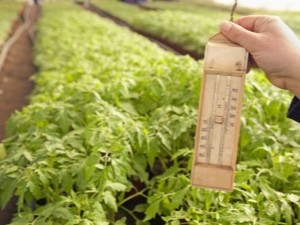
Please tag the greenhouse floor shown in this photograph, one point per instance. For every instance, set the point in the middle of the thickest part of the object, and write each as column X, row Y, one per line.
column 14, row 83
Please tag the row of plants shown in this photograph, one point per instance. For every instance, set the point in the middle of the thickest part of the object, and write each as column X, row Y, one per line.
column 188, row 29
column 180, row 23
column 211, row 10
column 92, row 131
column 8, row 12
column 108, row 136
column 214, row 4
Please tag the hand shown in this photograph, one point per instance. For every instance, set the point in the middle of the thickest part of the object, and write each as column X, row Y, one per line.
column 273, row 47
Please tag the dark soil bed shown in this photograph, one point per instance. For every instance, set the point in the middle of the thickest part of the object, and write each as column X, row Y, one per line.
column 15, row 85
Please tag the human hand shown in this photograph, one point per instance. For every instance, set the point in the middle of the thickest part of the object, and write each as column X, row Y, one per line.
column 273, row 47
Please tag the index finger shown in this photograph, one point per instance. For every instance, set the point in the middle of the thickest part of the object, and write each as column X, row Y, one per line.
column 256, row 23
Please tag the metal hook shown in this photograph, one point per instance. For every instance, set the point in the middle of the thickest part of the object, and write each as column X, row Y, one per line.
column 232, row 10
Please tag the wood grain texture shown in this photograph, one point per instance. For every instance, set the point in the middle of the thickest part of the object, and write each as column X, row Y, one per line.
column 217, row 135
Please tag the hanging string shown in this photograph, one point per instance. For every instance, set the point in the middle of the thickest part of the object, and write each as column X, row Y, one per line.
column 232, row 10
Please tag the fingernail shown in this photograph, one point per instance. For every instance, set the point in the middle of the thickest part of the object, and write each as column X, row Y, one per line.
column 225, row 26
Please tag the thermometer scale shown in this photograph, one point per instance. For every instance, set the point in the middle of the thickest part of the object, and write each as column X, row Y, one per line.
column 217, row 135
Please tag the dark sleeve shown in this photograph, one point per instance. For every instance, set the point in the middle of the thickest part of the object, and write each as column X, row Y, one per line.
column 294, row 110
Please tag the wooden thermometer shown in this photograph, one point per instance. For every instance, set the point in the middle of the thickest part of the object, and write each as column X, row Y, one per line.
column 217, row 135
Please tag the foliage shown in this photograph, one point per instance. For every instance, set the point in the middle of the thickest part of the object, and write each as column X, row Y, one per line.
column 187, row 29
column 218, row 5
column 112, row 119
column 214, row 11
column 181, row 23
column 266, row 185
column 94, row 123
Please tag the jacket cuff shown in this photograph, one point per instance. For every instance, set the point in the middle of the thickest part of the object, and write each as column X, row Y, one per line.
column 294, row 110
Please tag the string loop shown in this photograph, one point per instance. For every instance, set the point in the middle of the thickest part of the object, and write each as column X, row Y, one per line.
column 232, row 10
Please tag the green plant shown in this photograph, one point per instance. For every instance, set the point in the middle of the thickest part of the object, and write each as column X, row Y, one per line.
column 112, row 121
column 187, row 29
column 91, row 130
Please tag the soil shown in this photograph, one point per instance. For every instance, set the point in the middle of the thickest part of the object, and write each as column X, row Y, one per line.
column 164, row 43
column 15, row 85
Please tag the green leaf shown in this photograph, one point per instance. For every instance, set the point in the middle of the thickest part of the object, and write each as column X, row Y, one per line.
column 62, row 213
column 40, row 221
column 20, row 221
column 287, row 212
column 182, row 152
column 142, row 223
column 288, row 169
column 128, row 107
column 43, row 178
column 11, row 169
column 115, row 186
column 121, row 221
column 80, row 181
column 34, row 188
column 99, row 166
column 102, row 223
column 140, row 165
column 2, row 152
column 293, row 198
column 67, row 182
column 64, row 121
column 152, row 210
column 178, row 196
column 98, row 213
column 7, row 190
column 243, row 176
column 180, row 128
column 175, row 222
column 252, row 163
column 45, row 210
column 165, row 140
column 27, row 155
column 74, row 221
column 110, row 200
column 268, row 192
column 86, row 222
column 140, row 208
column 277, row 174
column 169, row 172
column 209, row 196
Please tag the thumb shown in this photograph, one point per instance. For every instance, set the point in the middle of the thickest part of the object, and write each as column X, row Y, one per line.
column 239, row 35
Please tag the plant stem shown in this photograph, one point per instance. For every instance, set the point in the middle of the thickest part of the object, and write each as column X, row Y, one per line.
column 163, row 163
column 130, row 213
column 132, row 196
column 111, row 216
